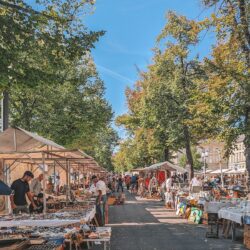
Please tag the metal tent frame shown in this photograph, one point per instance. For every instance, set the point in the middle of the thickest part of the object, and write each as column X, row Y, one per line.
column 18, row 146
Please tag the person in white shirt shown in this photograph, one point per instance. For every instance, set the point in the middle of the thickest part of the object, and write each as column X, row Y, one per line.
column 153, row 185
column 93, row 190
column 36, row 185
column 57, row 185
column 195, row 182
column 169, row 183
column 169, row 201
column 101, row 199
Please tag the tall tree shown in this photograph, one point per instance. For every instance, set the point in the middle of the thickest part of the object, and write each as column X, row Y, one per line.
column 45, row 65
column 160, row 100
column 74, row 113
column 222, row 103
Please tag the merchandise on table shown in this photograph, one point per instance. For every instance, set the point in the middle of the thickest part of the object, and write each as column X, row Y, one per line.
column 195, row 215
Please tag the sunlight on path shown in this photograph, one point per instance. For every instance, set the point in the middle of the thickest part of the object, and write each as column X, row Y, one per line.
column 133, row 224
column 164, row 215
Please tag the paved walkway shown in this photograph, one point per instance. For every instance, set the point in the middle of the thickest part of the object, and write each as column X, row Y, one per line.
column 147, row 225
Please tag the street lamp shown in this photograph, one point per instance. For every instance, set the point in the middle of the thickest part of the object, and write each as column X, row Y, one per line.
column 204, row 154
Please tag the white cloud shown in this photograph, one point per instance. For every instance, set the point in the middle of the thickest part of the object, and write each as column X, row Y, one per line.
column 114, row 74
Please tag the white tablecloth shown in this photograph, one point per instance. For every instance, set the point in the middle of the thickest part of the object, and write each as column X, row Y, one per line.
column 232, row 214
column 48, row 223
column 37, row 223
column 214, row 207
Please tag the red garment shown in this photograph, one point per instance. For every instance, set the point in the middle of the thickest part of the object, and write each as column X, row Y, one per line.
column 147, row 180
column 127, row 179
column 161, row 176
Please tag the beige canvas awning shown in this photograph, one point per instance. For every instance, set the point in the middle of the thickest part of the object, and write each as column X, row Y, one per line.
column 20, row 146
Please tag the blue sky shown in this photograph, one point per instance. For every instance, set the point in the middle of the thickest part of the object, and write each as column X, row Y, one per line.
column 131, row 29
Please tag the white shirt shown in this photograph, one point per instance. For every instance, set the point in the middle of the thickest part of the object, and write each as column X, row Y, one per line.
column 36, row 186
column 57, row 184
column 101, row 186
column 153, row 182
column 168, row 183
column 195, row 182
column 93, row 189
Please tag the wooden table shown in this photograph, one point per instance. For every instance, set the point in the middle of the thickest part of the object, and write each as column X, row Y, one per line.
column 104, row 240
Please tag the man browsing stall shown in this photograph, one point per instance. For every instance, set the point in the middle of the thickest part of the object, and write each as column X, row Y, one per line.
column 21, row 189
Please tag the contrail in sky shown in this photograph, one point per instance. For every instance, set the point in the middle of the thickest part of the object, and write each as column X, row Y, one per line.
column 115, row 74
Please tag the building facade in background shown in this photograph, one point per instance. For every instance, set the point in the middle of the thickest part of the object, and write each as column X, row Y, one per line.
column 237, row 158
column 215, row 155
column 215, row 152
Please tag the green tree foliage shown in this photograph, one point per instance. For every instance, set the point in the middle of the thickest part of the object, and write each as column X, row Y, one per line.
column 103, row 149
column 46, row 67
column 74, row 113
column 159, row 102
column 222, row 103
column 182, row 99
column 37, row 47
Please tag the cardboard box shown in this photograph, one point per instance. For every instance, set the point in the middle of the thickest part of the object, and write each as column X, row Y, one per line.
column 111, row 201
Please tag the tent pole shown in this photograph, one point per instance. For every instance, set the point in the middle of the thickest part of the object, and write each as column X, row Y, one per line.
column 67, row 182
column 69, row 178
column 15, row 144
column 78, row 175
column 44, row 185
column 5, row 179
column 54, row 173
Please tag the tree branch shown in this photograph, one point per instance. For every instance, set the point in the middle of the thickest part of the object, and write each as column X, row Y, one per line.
column 27, row 10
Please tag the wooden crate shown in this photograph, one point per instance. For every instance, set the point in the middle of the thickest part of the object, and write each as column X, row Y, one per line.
column 247, row 231
column 247, row 236
column 247, row 242
column 18, row 245
column 204, row 218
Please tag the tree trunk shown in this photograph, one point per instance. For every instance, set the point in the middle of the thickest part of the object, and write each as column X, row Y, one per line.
column 247, row 146
column 247, row 154
column 5, row 110
column 245, row 41
column 166, row 154
column 190, row 161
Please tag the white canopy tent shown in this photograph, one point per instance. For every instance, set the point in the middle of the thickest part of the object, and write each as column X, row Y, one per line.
column 218, row 171
column 166, row 165
column 237, row 171
column 208, row 171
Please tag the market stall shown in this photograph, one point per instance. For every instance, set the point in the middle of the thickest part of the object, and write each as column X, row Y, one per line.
column 160, row 172
column 68, row 214
column 71, row 228
column 22, row 150
column 203, row 207
column 234, row 217
column 165, row 167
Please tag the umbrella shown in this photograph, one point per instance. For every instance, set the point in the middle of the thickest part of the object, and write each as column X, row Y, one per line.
column 4, row 189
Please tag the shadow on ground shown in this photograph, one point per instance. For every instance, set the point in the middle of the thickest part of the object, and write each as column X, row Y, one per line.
column 147, row 225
